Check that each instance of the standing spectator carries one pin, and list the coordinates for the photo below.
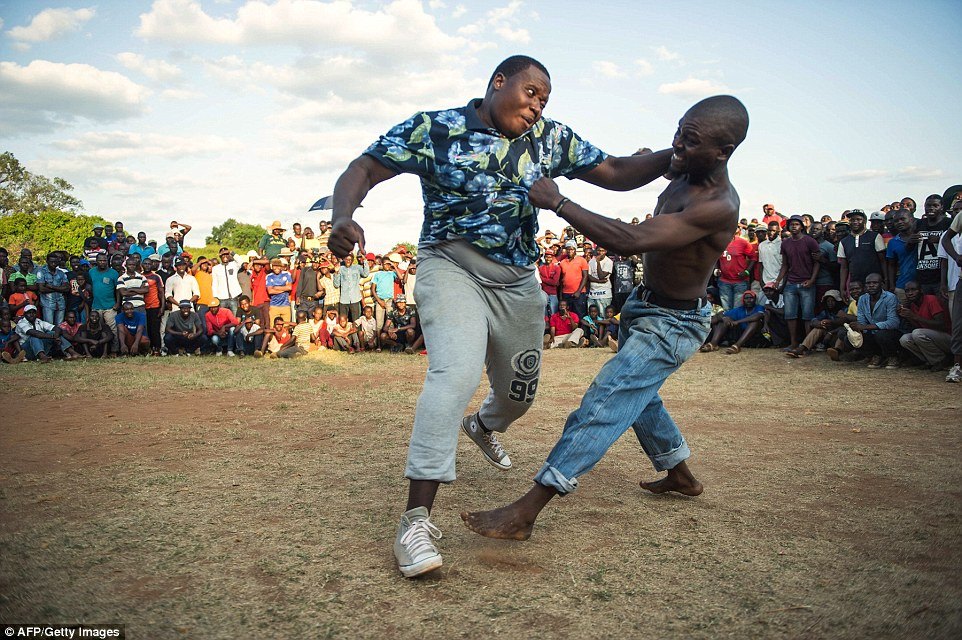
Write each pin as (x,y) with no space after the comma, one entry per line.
(96,242)
(306,294)
(180,231)
(260,299)
(181,286)
(902,254)
(325,282)
(599,280)
(770,215)
(52,284)
(564,330)
(951,247)
(37,336)
(878,322)
(348,281)
(205,284)
(27,271)
(549,272)
(272,243)
(770,253)
(154,303)
(244,276)
(103,281)
(225,285)
(574,280)
(185,332)
(930,339)
(171,246)
(930,229)
(827,279)
(735,271)
(142,249)
(80,296)
(382,291)
(323,234)
(279,284)
(798,273)
(132,287)
(409,280)
(908,204)
(622,281)
(860,252)
(221,325)
(132,331)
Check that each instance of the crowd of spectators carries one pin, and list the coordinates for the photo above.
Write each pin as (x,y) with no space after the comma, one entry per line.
(878,288)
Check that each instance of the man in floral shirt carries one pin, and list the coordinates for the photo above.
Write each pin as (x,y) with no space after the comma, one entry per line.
(479,300)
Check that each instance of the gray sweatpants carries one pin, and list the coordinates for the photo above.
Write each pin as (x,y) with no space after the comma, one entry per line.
(468,325)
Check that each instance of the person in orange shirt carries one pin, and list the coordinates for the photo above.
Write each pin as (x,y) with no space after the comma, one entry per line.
(21,297)
(205,281)
(574,281)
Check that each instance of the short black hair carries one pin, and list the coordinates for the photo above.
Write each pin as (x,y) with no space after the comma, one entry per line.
(934,196)
(728,117)
(517,64)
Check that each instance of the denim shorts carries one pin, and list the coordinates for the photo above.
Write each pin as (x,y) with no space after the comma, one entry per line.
(796,296)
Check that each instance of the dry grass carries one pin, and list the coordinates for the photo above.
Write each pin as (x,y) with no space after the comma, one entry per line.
(222,507)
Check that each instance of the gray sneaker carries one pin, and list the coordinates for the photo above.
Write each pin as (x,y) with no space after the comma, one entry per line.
(487,441)
(955,374)
(414,545)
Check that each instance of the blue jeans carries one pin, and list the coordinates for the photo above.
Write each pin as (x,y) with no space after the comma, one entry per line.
(54,313)
(795,296)
(33,346)
(653,343)
(552,307)
(601,303)
(219,344)
(731,294)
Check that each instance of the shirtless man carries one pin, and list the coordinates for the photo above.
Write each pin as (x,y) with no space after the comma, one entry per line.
(663,323)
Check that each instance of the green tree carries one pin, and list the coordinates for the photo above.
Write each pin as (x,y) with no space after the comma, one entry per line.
(235,234)
(46,231)
(24,192)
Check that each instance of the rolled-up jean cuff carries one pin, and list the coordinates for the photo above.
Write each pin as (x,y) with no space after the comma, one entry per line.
(551,477)
(671,459)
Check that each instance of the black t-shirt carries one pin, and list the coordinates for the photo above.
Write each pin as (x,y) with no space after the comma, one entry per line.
(862,260)
(928,271)
(622,276)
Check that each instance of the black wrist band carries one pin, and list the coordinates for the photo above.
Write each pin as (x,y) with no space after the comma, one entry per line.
(561,204)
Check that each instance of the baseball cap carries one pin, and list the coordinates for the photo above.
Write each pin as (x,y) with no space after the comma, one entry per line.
(400,298)
(769,285)
(761,227)
(252,254)
(154,256)
(856,212)
(170,234)
(877,215)
(833,293)
(214,302)
(29,307)
(179,261)
(185,303)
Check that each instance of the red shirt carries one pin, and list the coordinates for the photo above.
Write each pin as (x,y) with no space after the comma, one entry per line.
(571,273)
(929,307)
(561,326)
(259,294)
(223,319)
(777,217)
(152,297)
(550,278)
(734,261)
(18,298)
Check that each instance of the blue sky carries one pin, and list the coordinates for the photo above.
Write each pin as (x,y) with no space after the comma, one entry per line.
(201,110)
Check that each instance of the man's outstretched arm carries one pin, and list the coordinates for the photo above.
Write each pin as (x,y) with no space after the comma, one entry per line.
(631,172)
(660,233)
(360,176)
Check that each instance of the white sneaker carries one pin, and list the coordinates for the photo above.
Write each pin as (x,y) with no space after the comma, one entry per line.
(487,441)
(955,374)
(414,545)
(219,352)
(230,354)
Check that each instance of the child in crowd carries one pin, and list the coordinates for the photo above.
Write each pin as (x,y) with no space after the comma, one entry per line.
(274,339)
(20,298)
(345,336)
(96,338)
(301,338)
(70,329)
(367,330)
(10,350)
(245,338)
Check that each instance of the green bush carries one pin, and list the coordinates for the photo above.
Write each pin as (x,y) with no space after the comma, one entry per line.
(46,231)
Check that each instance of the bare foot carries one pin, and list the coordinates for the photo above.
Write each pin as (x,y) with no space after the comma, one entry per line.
(505,523)
(679,480)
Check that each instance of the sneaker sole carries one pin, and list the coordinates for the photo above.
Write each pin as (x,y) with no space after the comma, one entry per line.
(492,461)
(420,568)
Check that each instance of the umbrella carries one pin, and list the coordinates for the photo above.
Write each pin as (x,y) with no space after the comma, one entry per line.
(327,202)
(949,196)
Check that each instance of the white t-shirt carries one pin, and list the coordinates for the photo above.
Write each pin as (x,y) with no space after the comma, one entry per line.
(770,255)
(367,326)
(409,288)
(954,273)
(600,289)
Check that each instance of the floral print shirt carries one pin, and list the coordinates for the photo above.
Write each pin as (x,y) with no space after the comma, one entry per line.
(475,181)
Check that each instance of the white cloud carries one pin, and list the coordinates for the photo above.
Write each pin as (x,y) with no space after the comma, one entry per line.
(180,94)
(400,29)
(157,70)
(667,55)
(118,145)
(437,4)
(45,95)
(608,69)
(52,23)
(919,173)
(520,36)
(503,21)
(861,175)
(459,11)
(643,67)
(692,88)
(905,174)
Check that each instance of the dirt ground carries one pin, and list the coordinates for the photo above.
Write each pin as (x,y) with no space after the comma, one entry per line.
(196,498)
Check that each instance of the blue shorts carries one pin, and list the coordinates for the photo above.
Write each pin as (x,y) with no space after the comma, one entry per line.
(797,298)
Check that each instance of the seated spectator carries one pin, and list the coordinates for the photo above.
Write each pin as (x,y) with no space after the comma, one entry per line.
(185,332)
(775,328)
(38,337)
(367,330)
(221,324)
(301,338)
(21,298)
(345,336)
(610,324)
(70,330)
(10,351)
(246,336)
(275,339)
(132,331)
(850,315)
(930,339)
(820,328)
(95,338)
(739,327)
(878,323)
(399,327)
(564,331)
(593,330)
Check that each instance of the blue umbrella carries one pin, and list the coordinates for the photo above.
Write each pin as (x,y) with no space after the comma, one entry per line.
(327,202)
